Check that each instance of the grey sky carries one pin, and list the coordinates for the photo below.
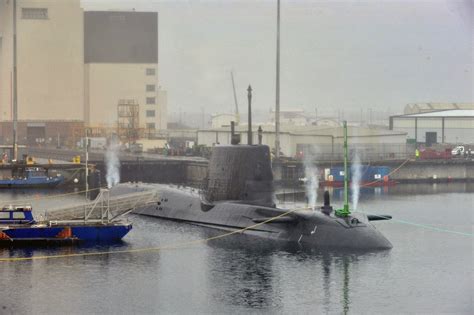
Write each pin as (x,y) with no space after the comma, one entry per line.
(335,55)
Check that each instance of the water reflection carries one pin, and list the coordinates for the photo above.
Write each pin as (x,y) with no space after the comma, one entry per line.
(242,275)
(250,273)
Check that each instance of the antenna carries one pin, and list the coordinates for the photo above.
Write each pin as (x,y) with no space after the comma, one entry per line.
(345,212)
(15,89)
(237,115)
(249,96)
(277,98)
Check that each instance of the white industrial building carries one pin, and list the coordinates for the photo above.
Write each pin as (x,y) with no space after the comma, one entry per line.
(222,120)
(446,126)
(75,67)
(322,142)
(418,108)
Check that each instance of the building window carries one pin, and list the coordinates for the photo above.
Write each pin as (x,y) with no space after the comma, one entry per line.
(150,88)
(151,100)
(150,71)
(150,113)
(34,13)
(150,126)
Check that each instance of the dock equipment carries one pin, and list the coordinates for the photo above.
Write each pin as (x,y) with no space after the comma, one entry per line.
(104,208)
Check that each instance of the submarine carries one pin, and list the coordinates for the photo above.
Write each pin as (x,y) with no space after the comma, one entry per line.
(238,195)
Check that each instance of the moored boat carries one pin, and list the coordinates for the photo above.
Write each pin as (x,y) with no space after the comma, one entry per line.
(18,227)
(371,176)
(32,177)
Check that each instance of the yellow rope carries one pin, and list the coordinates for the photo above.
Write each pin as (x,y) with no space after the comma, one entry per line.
(52,196)
(148,249)
(389,174)
(172,246)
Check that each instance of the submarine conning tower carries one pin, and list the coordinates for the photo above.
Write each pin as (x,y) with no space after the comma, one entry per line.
(240,173)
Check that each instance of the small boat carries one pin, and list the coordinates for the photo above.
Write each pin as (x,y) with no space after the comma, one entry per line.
(32,177)
(371,176)
(18,227)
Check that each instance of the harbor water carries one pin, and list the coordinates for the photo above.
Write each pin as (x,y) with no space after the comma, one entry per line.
(429,269)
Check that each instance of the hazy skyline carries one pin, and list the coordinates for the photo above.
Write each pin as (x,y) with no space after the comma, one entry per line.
(334,55)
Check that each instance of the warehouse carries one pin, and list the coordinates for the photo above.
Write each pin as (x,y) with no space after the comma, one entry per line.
(324,143)
(446,126)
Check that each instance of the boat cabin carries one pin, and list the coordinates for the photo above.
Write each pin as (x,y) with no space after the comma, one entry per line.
(16,214)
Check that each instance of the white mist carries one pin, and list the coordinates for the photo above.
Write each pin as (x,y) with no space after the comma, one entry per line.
(312,181)
(112,163)
(356,176)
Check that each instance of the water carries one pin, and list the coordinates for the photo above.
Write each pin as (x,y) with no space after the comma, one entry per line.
(427,271)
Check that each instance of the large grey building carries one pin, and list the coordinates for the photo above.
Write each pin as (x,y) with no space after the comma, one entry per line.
(446,126)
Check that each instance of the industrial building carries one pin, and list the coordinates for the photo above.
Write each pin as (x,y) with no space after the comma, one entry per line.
(324,143)
(222,120)
(418,108)
(454,126)
(76,66)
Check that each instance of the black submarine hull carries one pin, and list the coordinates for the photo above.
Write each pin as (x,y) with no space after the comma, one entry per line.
(307,228)
(238,194)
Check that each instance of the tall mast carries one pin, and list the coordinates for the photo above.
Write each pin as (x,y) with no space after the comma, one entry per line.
(344,212)
(15,93)
(249,134)
(277,99)
(237,115)
(346,174)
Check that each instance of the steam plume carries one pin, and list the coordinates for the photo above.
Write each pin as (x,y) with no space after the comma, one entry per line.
(112,163)
(311,179)
(356,172)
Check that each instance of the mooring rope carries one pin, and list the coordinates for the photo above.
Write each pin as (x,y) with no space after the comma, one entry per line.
(204,240)
(149,249)
(389,174)
(51,196)
(426,226)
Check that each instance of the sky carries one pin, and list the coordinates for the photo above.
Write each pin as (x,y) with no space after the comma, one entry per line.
(335,55)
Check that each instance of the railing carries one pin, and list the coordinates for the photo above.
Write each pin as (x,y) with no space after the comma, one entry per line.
(104,208)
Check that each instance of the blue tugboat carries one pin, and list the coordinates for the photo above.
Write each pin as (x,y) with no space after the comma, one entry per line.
(32,177)
(18,227)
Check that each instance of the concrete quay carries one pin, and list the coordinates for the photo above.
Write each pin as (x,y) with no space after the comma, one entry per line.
(192,170)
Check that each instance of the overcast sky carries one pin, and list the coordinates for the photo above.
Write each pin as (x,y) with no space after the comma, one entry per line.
(334,55)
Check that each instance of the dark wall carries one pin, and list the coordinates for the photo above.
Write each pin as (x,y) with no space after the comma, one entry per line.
(120,37)
(240,172)
(164,172)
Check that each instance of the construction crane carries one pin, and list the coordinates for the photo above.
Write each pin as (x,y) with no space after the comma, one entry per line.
(237,115)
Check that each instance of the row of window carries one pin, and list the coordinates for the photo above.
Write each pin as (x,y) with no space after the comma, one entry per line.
(5,215)
(34,13)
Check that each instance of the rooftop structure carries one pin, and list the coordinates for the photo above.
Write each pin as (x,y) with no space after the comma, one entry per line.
(323,142)
(417,108)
